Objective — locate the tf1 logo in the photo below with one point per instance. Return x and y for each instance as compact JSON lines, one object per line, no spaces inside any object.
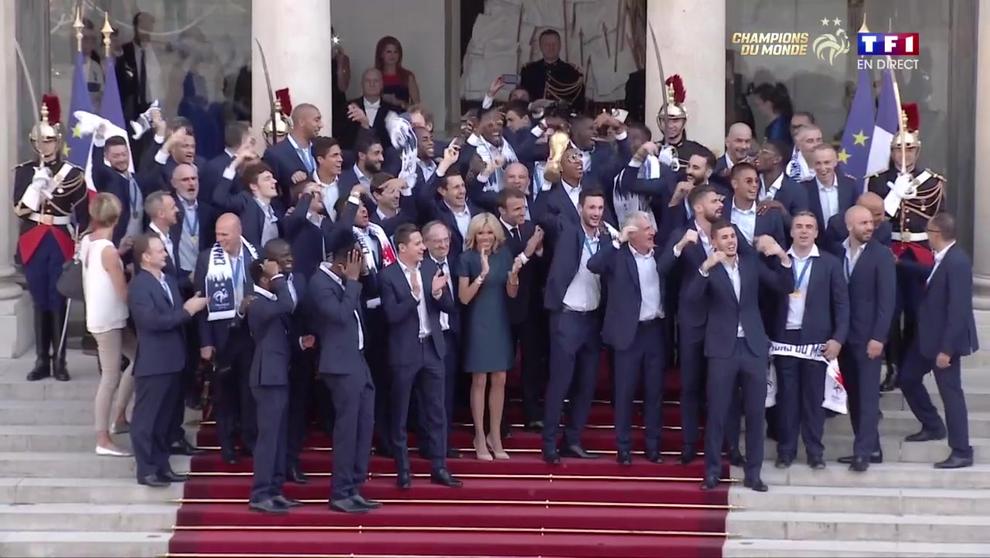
{"x":888,"y":44}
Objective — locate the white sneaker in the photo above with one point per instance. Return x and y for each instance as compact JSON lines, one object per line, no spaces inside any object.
{"x":100,"y":450}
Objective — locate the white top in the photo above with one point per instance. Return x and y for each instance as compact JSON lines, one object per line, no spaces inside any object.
{"x":424,"y":320}
{"x":371,"y":109}
{"x":650,"y":306}
{"x":574,"y":193}
{"x":745,"y":219}
{"x":828,"y":197}
{"x":852,"y":257}
{"x":802,"y":276}
{"x":463,"y":219}
{"x":585,"y":291}
{"x":939,"y":256}
{"x":770,"y":192}
{"x":105,"y":311}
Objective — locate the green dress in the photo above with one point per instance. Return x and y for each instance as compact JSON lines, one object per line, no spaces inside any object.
{"x":487,"y":337}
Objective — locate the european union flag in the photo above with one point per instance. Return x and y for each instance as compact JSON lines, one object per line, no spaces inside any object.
{"x":856,"y":139}
{"x":76,"y":149}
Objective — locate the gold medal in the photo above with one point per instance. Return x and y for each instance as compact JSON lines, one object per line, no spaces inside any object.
{"x":796,"y":294}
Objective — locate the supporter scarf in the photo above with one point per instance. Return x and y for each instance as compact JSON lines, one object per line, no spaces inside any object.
{"x":488,"y":153}
{"x":835,"y":390}
{"x":387,"y":255}
{"x":221,"y":300}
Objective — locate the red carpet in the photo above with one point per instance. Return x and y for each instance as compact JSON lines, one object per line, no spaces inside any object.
{"x":521,"y":507}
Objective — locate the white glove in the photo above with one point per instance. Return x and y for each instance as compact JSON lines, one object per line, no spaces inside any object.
{"x":666,"y":156}
{"x":38,"y":189}
{"x":903,"y":188}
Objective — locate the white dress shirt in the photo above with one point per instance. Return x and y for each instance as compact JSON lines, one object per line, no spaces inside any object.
{"x":650,"y":305}
{"x":828,"y":197}
{"x":573,"y":192}
{"x":362,"y":178}
{"x":745,"y":219}
{"x":166,"y":241}
{"x":371,"y":109}
{"x":801,"y":267}
{"x":939,"y":256}
{"x":269,"y":227}
{"x":189,"y":241}
{"x":330,"y":193}
{"x":771,"y":191}
{"x":463,"y":219}
{"x":424,"y":320}
{"x":429,"y":168}
{"x":324,"y":267}
{"x":736,"y":280}
{"x":852,"y":257}
{"x":305,"y":154}
{"x":585,"y":291}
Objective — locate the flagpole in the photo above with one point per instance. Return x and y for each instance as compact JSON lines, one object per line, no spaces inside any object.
{"x":107,"y":31}
{"x":78,"y":26}
{"x":901,"y":124}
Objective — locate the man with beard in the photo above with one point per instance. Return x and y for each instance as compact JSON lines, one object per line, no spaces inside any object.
{"x":370,"y":156}
{"x":738,"y":143}
{"x":292,"y":161}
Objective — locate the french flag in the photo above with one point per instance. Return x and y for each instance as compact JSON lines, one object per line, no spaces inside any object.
{"x":886,"y":126}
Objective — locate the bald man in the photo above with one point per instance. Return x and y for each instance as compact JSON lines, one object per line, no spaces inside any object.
{"x":224,"y":340}
{"x":292,"y":160}
{"x":869,"y":270}
{"x":837,"y":230}
{"x":738,"y":147}
{"x":368,"y":111}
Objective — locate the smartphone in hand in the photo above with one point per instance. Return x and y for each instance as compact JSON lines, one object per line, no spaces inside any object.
{"x":510,"y":79}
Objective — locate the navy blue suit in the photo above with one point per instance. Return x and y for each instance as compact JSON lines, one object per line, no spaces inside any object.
{"x":308,"y":240}
{"x":801,"y":382}
{"x":210,"y":174}
{"x":227,"y":197}
{"x":742,"y":361}
{"x":347,"y":180}
{"x":792,"y":196}
{"x":106,"y":179}
{"x":348,"y":135}
{"x":342,"y":366}
{"x":945,"y":325}
{"x":848,"y":191}
{"x":269,"y":323}
{"x":831,"y":239}
{"x":432,"y":207}
{"x":416,"y":360}
{"x":452,"y":346}
{"x":575,"y":342}
{"x":158,"y":363}
{"x":872,"y":294}
{"x":233,"y":347}
{"x":640,"y":345}
{"x":285,"y":162}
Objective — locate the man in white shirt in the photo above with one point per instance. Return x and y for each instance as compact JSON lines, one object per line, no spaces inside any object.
{"x":329,"y":161}
{"x":368,"y":111}
{"x":162,"y":212}
{"x":828,"y":194}
{"x":746,"y":214}
{"x":806,"y":139}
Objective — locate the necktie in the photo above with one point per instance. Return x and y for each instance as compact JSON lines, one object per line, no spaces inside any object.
{"x":515,"y":234}
{"x":238,"y":273}
{"x":304,"y":154}
{"x":135,"y":192}
{"x":168,"y":291}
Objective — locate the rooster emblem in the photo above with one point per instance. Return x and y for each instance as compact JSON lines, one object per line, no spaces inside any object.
{"x":831,"y":45}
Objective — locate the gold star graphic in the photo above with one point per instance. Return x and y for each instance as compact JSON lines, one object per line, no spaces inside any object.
{"x":837,"y":22}
{"x":77,"y":131}
{"x":843,"y":156}
{"x":824,"y":22}
{"x":860,"y":138}
{"x":65,"y":150}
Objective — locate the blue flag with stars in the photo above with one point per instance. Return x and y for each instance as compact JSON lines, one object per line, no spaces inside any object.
{"x":856,"y":139}
{"x":76,"y":149}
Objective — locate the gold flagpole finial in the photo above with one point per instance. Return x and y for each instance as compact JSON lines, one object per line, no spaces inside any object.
{"x":107,"y":31}
{"x":78,"y":26}
{"x":863,"y":28}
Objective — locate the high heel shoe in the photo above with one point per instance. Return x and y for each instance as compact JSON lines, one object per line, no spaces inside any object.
{"x":498,"y":452}
{"x":481,"y":451}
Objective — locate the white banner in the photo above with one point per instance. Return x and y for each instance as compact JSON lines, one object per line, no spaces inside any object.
{"x":835,"y":389}
{"x":771,"y":386}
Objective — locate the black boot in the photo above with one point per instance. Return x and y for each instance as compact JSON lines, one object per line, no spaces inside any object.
{"x":42,"y":339}
{"x":890,"y":379}
{"x":59,"y":346}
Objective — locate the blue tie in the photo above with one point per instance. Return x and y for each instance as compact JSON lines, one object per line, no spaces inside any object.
{"x":238,"y":273}
{"x":168,"y":291}
{"x":305,"y":156}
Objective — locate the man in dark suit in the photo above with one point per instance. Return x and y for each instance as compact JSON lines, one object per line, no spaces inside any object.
{"x":738,"y":149}
{"x":132,"y":68}
{"x":731,"y":283}
{"x":573,"y":297}
{"x":154,"y":301}
{"x":370,"y":157}
{"x":828,"y":193}
{"x":635,"y":326}
{"x":395,"y":203}
{"x":416,"y":350}
{"x":226,"y":341}
{"x":195,"y":220}
{"x":117,"y":179}
{"x":815,"y":312}
{"x":946,"y":333}
{"x":329,"y":164}
{"x":745,"y":214}
{"x":292,"y":161}
{"x":368,"y":111}
{"x":172,"y":144}
{"x":602,"y":160}
{"x":335,"y":295}
{"x":559,"y":207}
{"x":308,"y":229}
{"x":837,"y":231}
{"x":436,"y":235}
{"x":445,"y":200}
{"x":868,"y":266}
{"x":236,"y":136}
{"x":268,"y":311}
{"x":777,"y":190}
{"x":257,"y":207}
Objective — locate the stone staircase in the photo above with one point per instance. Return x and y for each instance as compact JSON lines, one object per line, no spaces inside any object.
{"x":57,"y":498}
{"x":903,"y":507}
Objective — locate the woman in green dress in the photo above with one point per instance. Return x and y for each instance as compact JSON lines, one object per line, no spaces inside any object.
{"x":488,"y":278}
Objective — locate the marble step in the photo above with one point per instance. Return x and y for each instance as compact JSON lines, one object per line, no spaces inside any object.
{"x":83,"y":490}
{"x":87,"y":517}
{"x":902,"y":422}
{"x":776,"y":548}
{"x":48,"y":389}
{"x":895,"y":449}
{"x":27,"y":411}
{"x":838,"y":499}
{"x":79,"y":544}
{"x":32,"y":464}
{"x":860,"y":527}
{"x":884,"y":475}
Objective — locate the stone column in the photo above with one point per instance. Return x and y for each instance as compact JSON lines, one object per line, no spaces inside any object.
{"x":297,"y":41}
{"x":981,"y":205}
{"x":696,"y":51}
{"x":16,"y":317}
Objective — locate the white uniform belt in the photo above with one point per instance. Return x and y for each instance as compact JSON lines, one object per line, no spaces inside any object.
{"x":50,"y":219}
{"x":909,"y":236}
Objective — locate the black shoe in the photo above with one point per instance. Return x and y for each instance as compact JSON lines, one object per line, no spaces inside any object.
{"x":736,"y":457}
{"x":654,"y":456}
{"x":228,"y":456}
{"x":925,"y":436}
{"x":444,"y":478}
{"x":453,"y":453}
{"x":172,"y":476}
{"x":506,"y":431}
{"x":296,"y":476}
{"x":535,"y":426}
{"x":688,"y":454}
{"x":859,"y":464}
{"x":60,"y":372}
{"x":183,"y":447}
{"x":383,"y":451}
{"x":551,"y":457}
{"x":40,"y":371}
{"x":348,"y":505}
{"x":267,"y":506}
{"x":875,"y":458}
{"x":153,"y":481}
{"x":889,"y":380}
{"x":624,"y":458}
{"x":816,"y":462}
{"x":782,"y":462}
{"x":286,"y":502}
{"x":42,"y":341}
{"x":403,"y":480}
{"x":709,"y":483}
{"x":955,"y":462}
{"x":577,"y":451}
{"x":246,"y":451}
{"x":757,"y":485}
{"x":370,"y":504}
